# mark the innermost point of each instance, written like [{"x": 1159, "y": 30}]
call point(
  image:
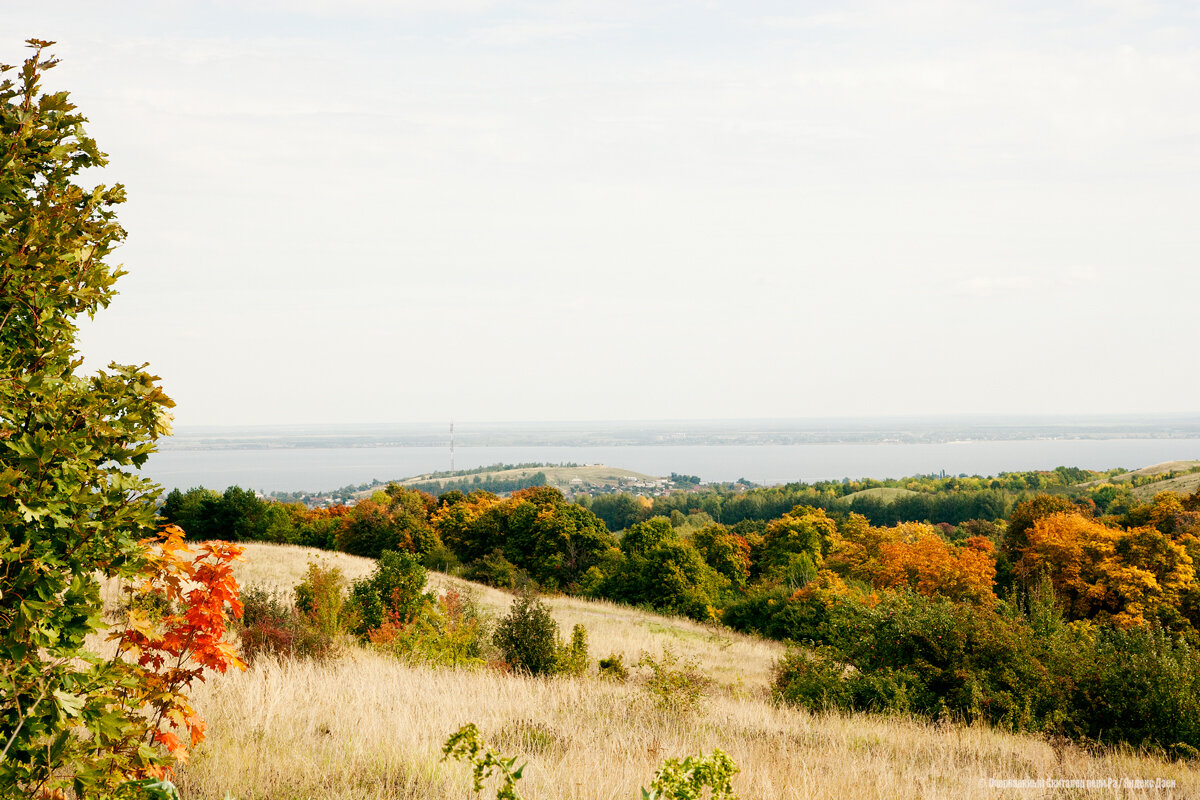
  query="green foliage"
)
[
  {"x": 671, "y": 577},
  {"x": 393, "y": 592},
  {"x": 811, "y": 680},
  {"x": 152, "y": 789},
  {"x": 727, "y": 553},
  {"x": 448, "y": 633},
  {"x": 466, "y": 744},
  {"x": 572, "y": 658},
  {"x": 619, "y": 511},
  {"x": 71, "y": 509},
  {"x": 1140, "y": 685},
  {"x": 321, "y": 597},
  {"x": 685, "y": 780},
  {"x": 674, "y": 780},
  {"x": 676, "y": 688},
  {"x": 1021, "y": 669},
  {"x": 644, "y": 537},
  {"x": 528, "y": 637},
  {"x": 535, "y": 531},
  {"x": 496, "y": 570},
  {"x": 614, "y": 667}
]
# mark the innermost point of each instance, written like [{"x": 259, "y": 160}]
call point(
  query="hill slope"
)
[
  {"x": 590, "y": 476},
  {"x": 885, "y": 493},
  {"x": 1183, "y": 484},
  {"x": 368, "y": 726}
]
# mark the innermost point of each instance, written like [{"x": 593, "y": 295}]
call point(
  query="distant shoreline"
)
[{"x": 706, "y": 433}]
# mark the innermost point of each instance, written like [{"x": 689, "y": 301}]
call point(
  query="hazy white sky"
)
[{"x": 362, "y": 211}]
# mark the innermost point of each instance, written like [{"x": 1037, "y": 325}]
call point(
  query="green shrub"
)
[
  {"x": 674, "y": 780},
  {"x": 685, "y": 780},
  {"x": 496, "y": 570},
  {"x": 572, "y": 658},
  {"x": 614, "y": 667},
  {"x": 449, "y": 633},
  {"x": 812, "y": 680},
  {"x": 466, "y": 744},
  {"x": 675, "y": 688},
  {"x": 321, "y": 597},
  {"x": 270, "y": 626},
  {"x": 528, "y": 637},
  {"x": 441, "y": 559},
  {"x": 1140, "y": 686},
  {"x": 393, "y": 593}
]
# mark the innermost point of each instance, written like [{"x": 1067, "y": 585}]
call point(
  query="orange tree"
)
[
  {"x": 1126, "y": 575},
  {"x": 72, "y": 511}
]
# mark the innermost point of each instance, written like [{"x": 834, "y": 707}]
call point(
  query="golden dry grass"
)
[{"x": 368, "y": 726}]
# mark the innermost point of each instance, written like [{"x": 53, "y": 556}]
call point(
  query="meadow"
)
[{"x": 366, "y": 725}]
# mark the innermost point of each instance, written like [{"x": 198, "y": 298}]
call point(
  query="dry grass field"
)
[{"x": 368, "y": 726}]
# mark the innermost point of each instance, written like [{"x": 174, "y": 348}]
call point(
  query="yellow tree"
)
[{"x": 1102, "y": 571}]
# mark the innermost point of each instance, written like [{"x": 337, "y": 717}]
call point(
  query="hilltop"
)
[
  {"x": 885, "y": 494},
  {"x": 369, "y": 726},
  {"x": 589, "y": 477}
]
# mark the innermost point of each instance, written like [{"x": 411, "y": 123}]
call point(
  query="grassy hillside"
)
[
  {"x": 368, "y": 726},
  {"x": 1153, "y": 469},
  {"x": 885, "y": 493},
  {"x": 591, "y": 476},
  {"x": 1183, "y": 484}
]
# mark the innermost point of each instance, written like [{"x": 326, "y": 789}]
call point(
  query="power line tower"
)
[{"x": 452, "y": 445}]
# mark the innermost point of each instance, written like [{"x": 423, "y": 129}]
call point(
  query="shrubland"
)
[
  {"x": 369, "y": 724},
  {"x": 1018, "y": 621}
]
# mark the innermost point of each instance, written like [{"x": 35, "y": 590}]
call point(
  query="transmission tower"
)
[{"x": 452, "y": 445}]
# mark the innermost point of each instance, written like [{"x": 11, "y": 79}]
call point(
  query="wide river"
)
[{"x": 324, "y": 469}]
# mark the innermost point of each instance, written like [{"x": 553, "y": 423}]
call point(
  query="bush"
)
[
  {"x": 686, "y": 779},
  {"x": 321, "y": 598},
  {"x": 614, "y": 667},
  {"x": 268, "y": 625},
  {"x": 675, "y": 688},
  {"x": 812, "y": 680},
  {"x": 393, "y": 593},
  {"x": 1140, "y": 686},
  {"x": 528, "y": 637},
  {"x": 496, "y": 570},
  {"x": 448, "y": 633},
  {"x": 573, "y": 658}
]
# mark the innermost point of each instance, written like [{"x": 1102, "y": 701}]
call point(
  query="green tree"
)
[
  {"x": 641, "y": 538},
  {"x": 528, "y": 637},
  {"x": 71, "y": 510}
]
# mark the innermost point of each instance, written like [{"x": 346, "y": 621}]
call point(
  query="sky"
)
[{"x": 369, "y": 211}]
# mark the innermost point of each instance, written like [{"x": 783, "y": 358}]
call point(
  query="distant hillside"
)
[
  {"x": 1146, "y": 485},
  {"x": 1183, "y": 484},
  {"x": 591, "y": 477}
]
